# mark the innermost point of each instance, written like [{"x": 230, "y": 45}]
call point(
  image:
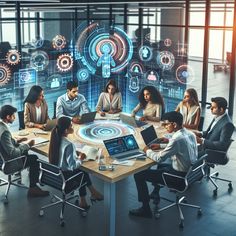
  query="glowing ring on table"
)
[{"x": 98, "y": 131}]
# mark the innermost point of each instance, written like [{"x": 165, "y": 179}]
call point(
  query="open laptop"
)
[
  {"x": 87, "y": 117},
  {"x": 130, "y": 120},
  {"x": 50, "y": 124},
  {"x": 150, "y": 136},
  {"x": 123, "y": 148}
]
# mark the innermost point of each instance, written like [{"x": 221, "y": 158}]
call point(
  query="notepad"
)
[{"x": 91, "y": 152}]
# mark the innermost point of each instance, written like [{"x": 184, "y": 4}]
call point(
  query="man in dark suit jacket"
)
[
  {"x": 218, "y": 135},
  {"x": 11, "y": 148}
]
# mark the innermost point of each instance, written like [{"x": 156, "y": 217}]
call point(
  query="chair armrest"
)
[
  {"x": 15, "y": 159},
  {"x": 216, "y": 157},
  {"x": 11, "y": 166},
  {"x": 49, "y": 168}
]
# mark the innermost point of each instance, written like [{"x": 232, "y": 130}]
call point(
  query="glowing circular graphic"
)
[
  {"x": 82, "y": 75},
  {"x": 59, "y": 42},
  {"x": 100, "y": 46},
  {"x": 38, "y": 42},
  {"x": 167, "y": 42},
  {"x": 152, "y": 76},
  {"x": 25, "y": 77},
  {"x": 13, "y": 57},
  {"x": 39, "y": 60},
  {"x": 185, "y": 74},
  {"x": 145, "y": 53},
  {"x": 101, "y": 130},
  {"x": 136, "y": 67},
  {"x": 5, "y": 74},
  {"x": 165, "y": 60},
  {"x": 65, "y": 62},
  {"x": 55, "y": 81}
]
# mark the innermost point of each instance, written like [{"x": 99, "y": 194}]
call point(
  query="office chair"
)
[
  {"x": 179, "y": 185},
  {"x": 21, "y": 120},
  {"x": 214, "y": 158},
  {"x": 54, "y": 110},
  {"x": 9, "y": 168},
  {"x": 52, "y": 176}
]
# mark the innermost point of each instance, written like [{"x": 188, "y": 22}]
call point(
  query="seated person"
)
[
  {"x": 11, "y": 148},
  {"x": 219, "y": 132},
  {"x": 190, "y": 109},
  {"x": 36, "y": 108},
  {"x": 72, "y": 104},
  {"x": 181, "y": 149},
  {"x": 62, "y": 152},
  {"x": 110, "y": 100},
  {"x": 152, "y": 104}
]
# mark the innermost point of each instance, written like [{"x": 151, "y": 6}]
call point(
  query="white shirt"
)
[
  {"x": 182, "y": 149},
  {"x": 38, "y": 113}
]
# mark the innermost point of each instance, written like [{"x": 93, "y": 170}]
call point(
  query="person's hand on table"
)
[
  {"x": 82, "y": 156},
  {"x": 112, "y": 111},
  {"x": 146, "y": 148},
  {"x": 76, "y": 119},
  {"x": 102, "y": 113},
  {"x": 20, "y": 140},
  {"x": 143, "y": 118},
  {"x": 155, "y": 146},
  {"x": 31, "y": 142},
  {"x": 164, "y": 140}
]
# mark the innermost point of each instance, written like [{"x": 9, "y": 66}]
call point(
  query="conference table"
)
[{"x": 109, "y": 177}]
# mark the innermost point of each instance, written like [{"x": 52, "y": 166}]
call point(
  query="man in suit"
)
[
  {"x": 11, "y": 148},
  {"x": 218, "y": 135}
]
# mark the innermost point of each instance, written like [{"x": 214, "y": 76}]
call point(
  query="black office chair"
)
[
  {"x": 214, "y": 158},
  {"x": 54, "y": 110},
  {"x": 52, "y": 176},
  {"x": 21, "y": 120},
  {"x": 201, "y": 123},
  {"x": 10, "y": 168},
  {"x": 179, "y": 185}
]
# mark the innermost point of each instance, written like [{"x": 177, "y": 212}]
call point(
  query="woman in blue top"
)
[{"x": 62, "y": 152}]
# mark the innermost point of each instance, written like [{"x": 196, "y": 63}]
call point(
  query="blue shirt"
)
[{"x": 71, "y": 108}]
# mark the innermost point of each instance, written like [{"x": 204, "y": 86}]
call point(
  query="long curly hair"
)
[
  {"x": 193, "y": 96},
  {"x": 156, "y": 97}
]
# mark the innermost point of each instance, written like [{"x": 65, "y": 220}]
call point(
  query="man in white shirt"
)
[
  {"x": 181, "y": 149},
  {"x": 72, "y": 104}
]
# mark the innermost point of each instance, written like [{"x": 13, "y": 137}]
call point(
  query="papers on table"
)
[
  {"x": 39, "y": 141},
  {"x": 108, "y": 116},
  {"x": 39, "y": 132},
  {"x": 124, "y": 163},
  {"x": 91, "y": 152}
]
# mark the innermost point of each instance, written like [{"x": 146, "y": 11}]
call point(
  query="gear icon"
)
[
  {"x": 59, "y": 42},
  {"x": 13, "y": 57},
  {"x": 65, "y": 62},
  {"x": 5, "y": 74}
]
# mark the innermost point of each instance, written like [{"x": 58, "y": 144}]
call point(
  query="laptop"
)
[
  {"x": 130, "y": 120},
  {"x": 150, "y": 136},
  {"x": 50, "y": 124},
  {"x": 123, "y": 148},
  {"x": 87, "y": 117}
]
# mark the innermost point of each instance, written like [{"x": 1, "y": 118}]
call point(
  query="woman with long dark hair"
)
[
  {"x": 152, "y": 104},
  {"x": 190, "y": 109},
  {"x": 110, "y": 100},
  {"x": 36, "y": 108},
  {"x": 62, "y": 152}
]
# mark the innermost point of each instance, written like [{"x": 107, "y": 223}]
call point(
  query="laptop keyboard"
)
[{"x": 130, "y": 156}]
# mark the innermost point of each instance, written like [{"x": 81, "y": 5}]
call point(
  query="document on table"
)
[
  {"x": 123, "y": 163},
  {"x": 108, "y": 116},
  {"x": 39, "y": 141}
]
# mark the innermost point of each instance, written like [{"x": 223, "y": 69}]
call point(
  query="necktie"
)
[{"x": 209, "y": 128}]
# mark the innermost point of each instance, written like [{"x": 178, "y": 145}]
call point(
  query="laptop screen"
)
[
  {"x": 120, "y": 145},
  {"x": 149, "y": 134}
]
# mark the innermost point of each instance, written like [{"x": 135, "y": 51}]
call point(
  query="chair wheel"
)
[
  {"x": 199, "y": 212},
  {"x": 157, "y": 215},
  {"x": 215, "y": 192},
  {"x": 181, "y": 224},
  {"x": 5, "y": 200},
  {"x": 230, "y": 186},
  {"x": 217, "y": 174},
  {"x": 62, "y": 223},
  {"x": 185, "y": 200},
  {"x": 41, "y": 212}
]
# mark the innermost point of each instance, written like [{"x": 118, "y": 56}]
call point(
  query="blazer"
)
[
  {"x": 9, "y": 148},
  {"x": 218, "y": 138},
  {"x": 30, "y": 114}
]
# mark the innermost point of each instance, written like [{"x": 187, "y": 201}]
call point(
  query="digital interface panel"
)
[{"x": 121, "y": 145}]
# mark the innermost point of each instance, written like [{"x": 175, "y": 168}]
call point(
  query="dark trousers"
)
[
  {"x": 154, "y": 176},
  {"x": 85, "y": 182},
  {"x": 33, "y": 164}
]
